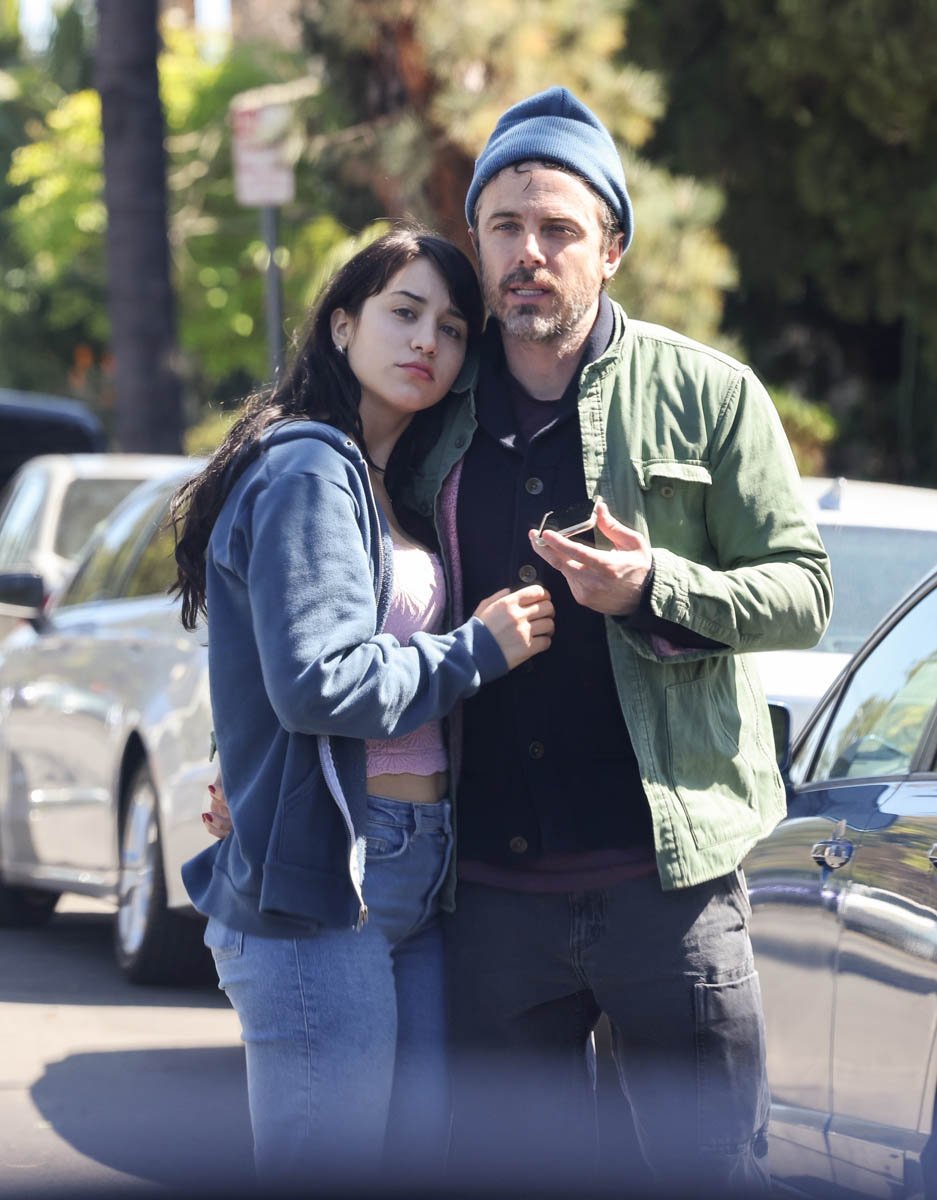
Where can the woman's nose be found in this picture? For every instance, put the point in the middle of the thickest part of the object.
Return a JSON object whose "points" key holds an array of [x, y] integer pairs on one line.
{"points": [[424, 340]]}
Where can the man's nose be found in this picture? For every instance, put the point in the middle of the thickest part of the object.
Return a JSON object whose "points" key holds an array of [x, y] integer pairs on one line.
{"points": [[531, 251]]}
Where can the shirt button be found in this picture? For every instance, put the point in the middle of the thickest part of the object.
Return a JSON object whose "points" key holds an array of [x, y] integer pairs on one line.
{"points": [[518, 845], [534, 485], [666, 490], [536, 750], [527, 574]]}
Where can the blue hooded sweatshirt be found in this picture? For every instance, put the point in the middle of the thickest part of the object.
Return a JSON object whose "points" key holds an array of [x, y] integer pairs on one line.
{"points": [[299, 578]]}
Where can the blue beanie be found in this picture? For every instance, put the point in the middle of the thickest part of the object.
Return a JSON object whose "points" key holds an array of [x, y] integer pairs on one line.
{"points": [[555, 126]]}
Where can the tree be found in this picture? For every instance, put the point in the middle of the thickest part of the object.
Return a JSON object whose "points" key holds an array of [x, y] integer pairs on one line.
{"points": [[417, 88], [140, 297], [818, 122]]}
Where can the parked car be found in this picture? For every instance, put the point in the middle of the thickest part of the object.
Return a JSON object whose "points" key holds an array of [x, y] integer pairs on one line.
{"points": [[844, 925], [881, 539], [53, 503], [104, 743], [32, 423]]}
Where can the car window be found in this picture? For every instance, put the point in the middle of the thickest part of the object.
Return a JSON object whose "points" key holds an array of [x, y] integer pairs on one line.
{"points": [[155, 566], [112, 549], [885, 708], [86, 502], [863, 593], [20, 517]]}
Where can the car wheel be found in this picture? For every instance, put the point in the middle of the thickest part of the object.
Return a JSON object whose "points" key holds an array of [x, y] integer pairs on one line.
{"points": [[154, 944], [25, 907]]}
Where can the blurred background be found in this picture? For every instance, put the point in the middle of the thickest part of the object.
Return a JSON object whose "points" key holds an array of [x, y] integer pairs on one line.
{"points": [[780, 156]]}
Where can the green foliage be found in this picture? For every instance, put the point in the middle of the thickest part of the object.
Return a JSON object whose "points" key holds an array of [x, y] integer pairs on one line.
{"points": [[208, 432], [811, 430], [819, 123], [422, 86], [53, 310]]}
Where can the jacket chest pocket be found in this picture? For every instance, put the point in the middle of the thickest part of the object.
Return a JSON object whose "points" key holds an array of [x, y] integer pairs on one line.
{"points": [[675, 496]]}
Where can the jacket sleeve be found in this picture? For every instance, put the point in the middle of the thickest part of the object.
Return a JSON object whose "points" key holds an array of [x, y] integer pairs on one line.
{"points": [[310, 588], [771, 587]]}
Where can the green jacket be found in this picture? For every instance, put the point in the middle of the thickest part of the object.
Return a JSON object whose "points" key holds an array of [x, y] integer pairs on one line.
{"points": [[685, 445]]}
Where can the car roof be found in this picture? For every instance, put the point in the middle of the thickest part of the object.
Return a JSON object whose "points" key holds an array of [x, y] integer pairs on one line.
{"points": [[107, 466], [843, 501]]}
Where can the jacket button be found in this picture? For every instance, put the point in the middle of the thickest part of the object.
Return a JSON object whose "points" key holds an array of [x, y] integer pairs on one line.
{"points": [[534, 485], [536, 750], [666, 490], [460, 441], [527, 574], [518, 845]]}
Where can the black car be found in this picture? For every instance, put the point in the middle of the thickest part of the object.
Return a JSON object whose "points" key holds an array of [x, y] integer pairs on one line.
{"points": [[32, 424], [844, 924]]}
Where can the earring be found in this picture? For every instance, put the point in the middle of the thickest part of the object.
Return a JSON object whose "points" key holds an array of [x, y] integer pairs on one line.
{"points": [[339, 349]]}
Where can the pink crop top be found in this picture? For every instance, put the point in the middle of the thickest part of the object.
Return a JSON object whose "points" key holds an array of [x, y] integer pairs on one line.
{"points": [[417, 605]]}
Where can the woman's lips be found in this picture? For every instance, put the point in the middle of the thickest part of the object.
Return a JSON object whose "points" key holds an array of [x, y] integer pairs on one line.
{"points": [[421, 370]]}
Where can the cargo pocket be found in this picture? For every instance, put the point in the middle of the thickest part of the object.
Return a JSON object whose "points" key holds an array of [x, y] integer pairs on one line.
{"points": [[732, 1090]]}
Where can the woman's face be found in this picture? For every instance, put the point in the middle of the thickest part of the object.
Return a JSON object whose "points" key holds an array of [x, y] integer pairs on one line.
{"points": [[406, 346]]}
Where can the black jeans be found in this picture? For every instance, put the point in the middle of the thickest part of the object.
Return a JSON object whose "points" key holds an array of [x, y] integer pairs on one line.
{"points": [[529, 977]]}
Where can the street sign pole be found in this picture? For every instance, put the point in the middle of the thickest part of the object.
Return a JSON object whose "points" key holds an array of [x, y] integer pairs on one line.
{"points": [[273, 294], [261, 123]]}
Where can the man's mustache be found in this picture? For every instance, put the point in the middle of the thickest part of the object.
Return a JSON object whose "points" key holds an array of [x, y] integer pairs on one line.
{"points": [[522, 275]]}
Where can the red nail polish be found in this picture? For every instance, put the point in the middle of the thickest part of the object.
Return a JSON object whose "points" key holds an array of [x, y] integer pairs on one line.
{"points": [[209, 818]]}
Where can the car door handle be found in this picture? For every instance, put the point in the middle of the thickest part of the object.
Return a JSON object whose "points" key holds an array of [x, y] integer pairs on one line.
{"points": [[834, 853]]}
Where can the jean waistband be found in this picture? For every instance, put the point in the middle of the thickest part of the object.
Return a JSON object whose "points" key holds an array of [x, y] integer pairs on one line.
{"points": [[428, 817]]}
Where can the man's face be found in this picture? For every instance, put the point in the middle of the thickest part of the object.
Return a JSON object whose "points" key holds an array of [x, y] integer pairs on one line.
{"points": [[540, 246]]}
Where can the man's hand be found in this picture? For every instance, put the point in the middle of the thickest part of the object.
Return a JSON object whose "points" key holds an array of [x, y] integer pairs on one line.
{"points": [[608, 581]]}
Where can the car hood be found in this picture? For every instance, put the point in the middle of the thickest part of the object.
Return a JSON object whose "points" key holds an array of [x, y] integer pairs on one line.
{"points": [[798, 678]]}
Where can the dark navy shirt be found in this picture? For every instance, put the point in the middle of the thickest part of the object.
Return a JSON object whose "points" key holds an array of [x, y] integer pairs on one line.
{"points": [[548, 765]]}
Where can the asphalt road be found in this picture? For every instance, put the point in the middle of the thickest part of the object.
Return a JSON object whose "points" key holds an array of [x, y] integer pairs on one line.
{"points": [[111, 1090], [107, 1088]]}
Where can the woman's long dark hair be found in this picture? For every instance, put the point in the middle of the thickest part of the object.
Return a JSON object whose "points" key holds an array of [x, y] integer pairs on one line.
{"points": [[319, 386]]}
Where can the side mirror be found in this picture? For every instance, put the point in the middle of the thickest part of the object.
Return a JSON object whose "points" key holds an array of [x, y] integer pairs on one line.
{"points": [[781, 728], [22, 596]]}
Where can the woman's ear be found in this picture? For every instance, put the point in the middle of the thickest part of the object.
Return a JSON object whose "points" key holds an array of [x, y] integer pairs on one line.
{"points": [[341, 325]]}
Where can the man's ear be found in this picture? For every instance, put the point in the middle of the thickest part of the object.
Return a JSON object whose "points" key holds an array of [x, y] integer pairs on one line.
{"points": [[473, 238], [342, 327], [613, 257]]}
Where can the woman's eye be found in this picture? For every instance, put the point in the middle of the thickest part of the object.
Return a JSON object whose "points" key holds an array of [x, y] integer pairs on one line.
{"points": [[406, 313], [452, 331]]}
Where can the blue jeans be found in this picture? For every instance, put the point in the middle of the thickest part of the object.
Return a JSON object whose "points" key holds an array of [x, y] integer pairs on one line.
{"points": [[345, 1031], [529, 977]]}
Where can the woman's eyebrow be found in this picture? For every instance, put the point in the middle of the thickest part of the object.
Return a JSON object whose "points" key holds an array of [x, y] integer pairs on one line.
{"points": [[422, 300]]}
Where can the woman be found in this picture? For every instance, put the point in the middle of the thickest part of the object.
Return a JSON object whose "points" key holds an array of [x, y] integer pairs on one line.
{"points": [[329, 679]]}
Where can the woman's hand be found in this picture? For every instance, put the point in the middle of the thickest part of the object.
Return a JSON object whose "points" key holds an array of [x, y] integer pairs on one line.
{"points": [[521, 622], [218, 820]]}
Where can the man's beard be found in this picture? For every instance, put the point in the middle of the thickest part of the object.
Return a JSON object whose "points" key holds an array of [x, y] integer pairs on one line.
{"points": [[528, 322]]}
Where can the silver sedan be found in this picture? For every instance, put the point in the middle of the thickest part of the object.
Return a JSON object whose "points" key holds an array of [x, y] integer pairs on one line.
{"points": [[104, 739]]}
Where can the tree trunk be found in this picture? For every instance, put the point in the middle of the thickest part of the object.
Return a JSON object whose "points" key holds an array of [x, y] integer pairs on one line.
{"points": [[140, 298]]}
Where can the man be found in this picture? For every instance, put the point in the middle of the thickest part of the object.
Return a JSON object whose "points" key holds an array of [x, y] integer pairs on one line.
{"points": [[610, 789]]}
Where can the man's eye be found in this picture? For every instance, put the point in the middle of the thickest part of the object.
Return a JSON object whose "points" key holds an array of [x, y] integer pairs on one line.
{"points": [[506, 226]]}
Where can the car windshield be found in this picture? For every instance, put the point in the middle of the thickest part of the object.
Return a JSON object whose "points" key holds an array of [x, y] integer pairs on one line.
{"points": [[86, 502], [873, 569]]}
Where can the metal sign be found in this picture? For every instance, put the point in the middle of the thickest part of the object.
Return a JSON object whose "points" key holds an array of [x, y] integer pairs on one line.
{"points": [[263, 174]]}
